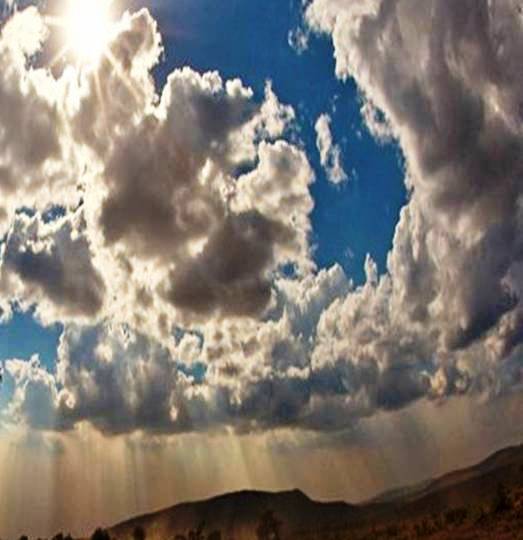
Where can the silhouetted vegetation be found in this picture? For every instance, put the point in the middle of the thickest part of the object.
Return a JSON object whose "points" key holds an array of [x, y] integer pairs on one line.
{"points": [[199, 534], [456, 516], [501, 502], [501, 519], [100, 534], [269, 527], [215, 535], [139, 533]]}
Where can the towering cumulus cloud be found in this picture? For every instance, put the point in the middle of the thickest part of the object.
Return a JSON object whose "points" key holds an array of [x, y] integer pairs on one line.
{"points": [[444, 74], [179, 260]]}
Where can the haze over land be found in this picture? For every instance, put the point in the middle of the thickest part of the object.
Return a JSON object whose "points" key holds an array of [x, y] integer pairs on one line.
{"points": [[483, 501]]}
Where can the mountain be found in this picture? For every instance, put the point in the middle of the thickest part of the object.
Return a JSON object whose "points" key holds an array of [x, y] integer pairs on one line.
{"points": [[464, 487], [238, 515], [249, 515]]}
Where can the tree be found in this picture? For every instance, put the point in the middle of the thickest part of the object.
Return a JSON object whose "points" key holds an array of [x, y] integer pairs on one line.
{"points": [[139, 533], [269, 527], [501, 501], [197, 534], [100, 534]]}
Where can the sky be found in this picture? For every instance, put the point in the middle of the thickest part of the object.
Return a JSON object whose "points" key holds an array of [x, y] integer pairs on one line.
{"points": [[261, 245]]}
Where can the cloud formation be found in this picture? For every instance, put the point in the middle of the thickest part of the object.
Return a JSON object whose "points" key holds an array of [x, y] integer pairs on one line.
{"points": [[156, 178], [449, 95], [185, 235]]}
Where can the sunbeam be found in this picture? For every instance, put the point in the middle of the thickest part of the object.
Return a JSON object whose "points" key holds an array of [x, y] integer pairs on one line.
{"points": [[87, 27]]}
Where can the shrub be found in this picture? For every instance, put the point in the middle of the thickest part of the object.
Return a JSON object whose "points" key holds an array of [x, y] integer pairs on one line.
{"points": [[456, 516], [392, 531], [139, 533], [501, 502], [100, 534]]}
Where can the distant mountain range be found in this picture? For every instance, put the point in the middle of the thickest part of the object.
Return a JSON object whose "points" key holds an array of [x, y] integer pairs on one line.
{"points": [[464, 487], [252, 515]]}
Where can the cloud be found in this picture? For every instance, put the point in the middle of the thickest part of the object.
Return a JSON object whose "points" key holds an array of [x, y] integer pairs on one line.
{"points": [[447, 90], [35, 395], [298, 39], [50, 264], [181, 204], [34, 154], [153, 219], [185, 208], [295, 370], [182, 207], [330, 153], [195, 211]]}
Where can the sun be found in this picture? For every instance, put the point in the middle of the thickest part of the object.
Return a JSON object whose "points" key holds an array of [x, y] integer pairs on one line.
{"points": [[88, 28]]}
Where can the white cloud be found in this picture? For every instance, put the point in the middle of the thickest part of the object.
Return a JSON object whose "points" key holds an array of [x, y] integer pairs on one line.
{"points": [[35, 395], [298, 39], [330, 153], [34, 154], [445, 89]]}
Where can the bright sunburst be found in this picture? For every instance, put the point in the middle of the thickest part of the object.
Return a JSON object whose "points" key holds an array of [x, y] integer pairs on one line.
{"points": [[87, 26]]}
